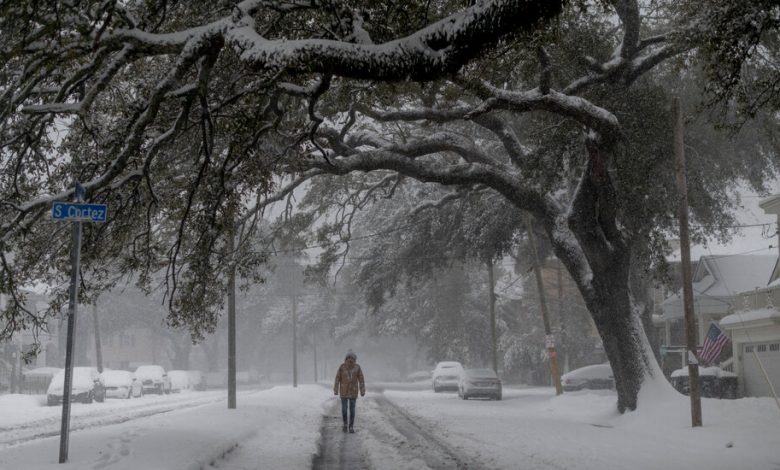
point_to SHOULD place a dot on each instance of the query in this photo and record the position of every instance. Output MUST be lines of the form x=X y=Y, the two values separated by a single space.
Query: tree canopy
x=180 y=116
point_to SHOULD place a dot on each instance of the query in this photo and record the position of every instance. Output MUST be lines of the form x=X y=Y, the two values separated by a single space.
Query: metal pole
x=75 y=257
x=98 y=347
x=685 y=254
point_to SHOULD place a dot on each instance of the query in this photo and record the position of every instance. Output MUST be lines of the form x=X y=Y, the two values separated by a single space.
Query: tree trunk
x=607 y=297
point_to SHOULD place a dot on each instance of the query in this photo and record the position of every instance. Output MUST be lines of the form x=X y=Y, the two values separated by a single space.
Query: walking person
x=349 y=381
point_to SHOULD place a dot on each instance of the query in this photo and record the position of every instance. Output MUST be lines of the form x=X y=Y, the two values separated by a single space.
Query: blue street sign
x=74 y=211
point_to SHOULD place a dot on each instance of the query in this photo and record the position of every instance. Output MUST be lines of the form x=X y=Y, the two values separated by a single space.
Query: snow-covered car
x=594 y=377
x=180 y=380
x=479 y=383
x=121 y=384
x=86 y=386
x=197 y=380
x=153 y=379
x=446 y=375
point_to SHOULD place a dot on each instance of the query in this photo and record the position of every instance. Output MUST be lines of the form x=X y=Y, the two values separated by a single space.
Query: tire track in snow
x=387 y=438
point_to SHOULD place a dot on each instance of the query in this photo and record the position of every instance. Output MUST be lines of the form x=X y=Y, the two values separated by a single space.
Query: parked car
x=714 y=382
x=594 y=377
x=197 y=380
x=180 y=380
x=86 y=386
x=153 y=379
x=446 y=375
x=479 y=383
x=121 y=384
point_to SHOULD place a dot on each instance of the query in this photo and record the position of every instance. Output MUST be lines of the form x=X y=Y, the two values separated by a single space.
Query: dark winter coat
x=349 y=380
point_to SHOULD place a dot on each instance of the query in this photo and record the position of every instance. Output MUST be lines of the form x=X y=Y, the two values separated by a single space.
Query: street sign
x=74 y=211
x=77 y=213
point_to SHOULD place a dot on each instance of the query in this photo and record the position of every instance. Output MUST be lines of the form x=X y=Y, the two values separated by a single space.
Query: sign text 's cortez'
x=77 y=211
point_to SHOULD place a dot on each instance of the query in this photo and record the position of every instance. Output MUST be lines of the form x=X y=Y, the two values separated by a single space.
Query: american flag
x=713 y=344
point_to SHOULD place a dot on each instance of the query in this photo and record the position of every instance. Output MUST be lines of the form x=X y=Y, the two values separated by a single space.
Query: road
x=386 y=437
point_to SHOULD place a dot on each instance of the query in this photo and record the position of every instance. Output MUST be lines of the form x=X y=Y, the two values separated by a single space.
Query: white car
x=197 y=380
x=180 y=380
x=446 y=375
x=121 y=384
x=153 y=379
x=595 y=377
x=86 y=385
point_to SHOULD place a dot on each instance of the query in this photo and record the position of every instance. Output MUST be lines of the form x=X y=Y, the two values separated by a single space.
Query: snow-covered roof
x=750 y=318
x=718 y=280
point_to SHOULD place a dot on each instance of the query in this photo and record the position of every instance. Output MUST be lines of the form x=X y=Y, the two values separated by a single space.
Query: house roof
x=750 y=318
x=718 y=279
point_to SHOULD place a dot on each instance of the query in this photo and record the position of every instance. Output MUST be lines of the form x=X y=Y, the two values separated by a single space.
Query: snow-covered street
x=300 y=428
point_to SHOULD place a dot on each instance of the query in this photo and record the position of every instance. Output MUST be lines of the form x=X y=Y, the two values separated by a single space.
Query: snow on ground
x=531 y=429
x=276 y=428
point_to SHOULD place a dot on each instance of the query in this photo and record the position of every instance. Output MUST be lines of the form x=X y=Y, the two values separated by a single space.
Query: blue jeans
x=351 y=410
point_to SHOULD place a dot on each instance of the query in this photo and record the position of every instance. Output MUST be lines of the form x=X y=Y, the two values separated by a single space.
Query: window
x=774 y=347
x=761 y=348
x=748 y=348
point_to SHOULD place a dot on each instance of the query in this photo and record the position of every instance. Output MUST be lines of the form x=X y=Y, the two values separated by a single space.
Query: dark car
x=479 y=383
x=714 y=382
x=595 y=377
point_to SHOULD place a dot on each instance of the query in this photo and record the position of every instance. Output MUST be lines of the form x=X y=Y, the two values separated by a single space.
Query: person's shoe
x=352 y=430
x=344 y=428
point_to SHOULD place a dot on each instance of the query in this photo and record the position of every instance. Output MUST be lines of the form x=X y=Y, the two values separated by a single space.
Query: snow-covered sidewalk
x=275 y=428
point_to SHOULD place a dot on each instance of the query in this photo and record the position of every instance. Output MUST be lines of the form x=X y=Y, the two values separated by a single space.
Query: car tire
x=88 y=399
x=159 y=390
x=130 y=394
x=498 y=397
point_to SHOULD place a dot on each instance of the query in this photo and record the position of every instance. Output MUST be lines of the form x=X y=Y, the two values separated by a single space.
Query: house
x=719 y=282
x=754 y=328
x=740 y=294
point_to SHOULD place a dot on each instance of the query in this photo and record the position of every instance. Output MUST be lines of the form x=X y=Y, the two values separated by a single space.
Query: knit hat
x=351 y=354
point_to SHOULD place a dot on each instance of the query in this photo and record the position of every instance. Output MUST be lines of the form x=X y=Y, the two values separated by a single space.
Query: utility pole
x=231 y=247
x=685 y=254
x=493 y=339
x=314 y=350
x=294 y=300
x=549 y=338
x=231 y=322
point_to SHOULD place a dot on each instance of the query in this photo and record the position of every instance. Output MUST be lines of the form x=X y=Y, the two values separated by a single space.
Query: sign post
x=76 y=213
